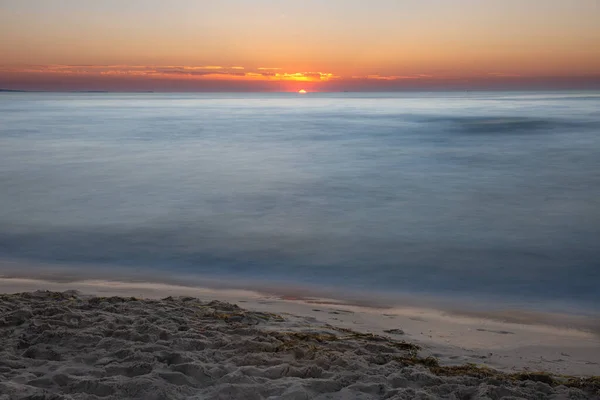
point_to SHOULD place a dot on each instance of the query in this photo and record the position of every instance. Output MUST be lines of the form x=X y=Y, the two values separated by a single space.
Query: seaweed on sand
x=316 y=341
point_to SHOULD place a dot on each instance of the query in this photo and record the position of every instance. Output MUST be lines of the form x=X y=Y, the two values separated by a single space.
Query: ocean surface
x=474 y=195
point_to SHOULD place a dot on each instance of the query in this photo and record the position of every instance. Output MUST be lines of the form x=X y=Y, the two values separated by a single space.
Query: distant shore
x=275 y=347
x=69 y=91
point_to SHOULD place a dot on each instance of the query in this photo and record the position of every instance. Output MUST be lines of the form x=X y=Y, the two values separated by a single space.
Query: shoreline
x=509 y=341
x=69 y=345
x=491 y=306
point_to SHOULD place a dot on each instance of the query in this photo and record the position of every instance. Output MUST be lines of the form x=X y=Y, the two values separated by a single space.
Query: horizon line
x=394 y=90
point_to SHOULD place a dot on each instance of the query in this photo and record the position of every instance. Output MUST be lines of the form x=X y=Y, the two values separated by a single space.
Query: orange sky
x=285 y=45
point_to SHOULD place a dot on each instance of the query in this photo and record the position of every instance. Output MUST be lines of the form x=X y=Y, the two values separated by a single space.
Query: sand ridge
x=65 y=345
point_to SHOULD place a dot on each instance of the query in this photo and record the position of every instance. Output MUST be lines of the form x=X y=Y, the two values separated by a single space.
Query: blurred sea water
x=478 y=195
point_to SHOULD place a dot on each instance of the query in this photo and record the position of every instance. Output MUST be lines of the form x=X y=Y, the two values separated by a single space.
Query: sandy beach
x=118 y=340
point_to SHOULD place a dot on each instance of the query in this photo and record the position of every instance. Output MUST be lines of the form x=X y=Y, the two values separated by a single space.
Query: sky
x=280 y=45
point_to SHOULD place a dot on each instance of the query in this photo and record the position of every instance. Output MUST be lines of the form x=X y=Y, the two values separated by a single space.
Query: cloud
x=378 y=77
x=503 y=74
x=204 y=67
x=231 y=78
x=173 y=71
x=306 y=76
x=192 y=73
x=197 y=72
x=217 y=72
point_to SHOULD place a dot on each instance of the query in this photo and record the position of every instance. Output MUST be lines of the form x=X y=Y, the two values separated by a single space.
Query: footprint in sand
x=395 y=331
x=341 y=312
x=498 y=332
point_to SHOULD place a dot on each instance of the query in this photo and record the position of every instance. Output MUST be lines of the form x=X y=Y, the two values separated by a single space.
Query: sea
x=484 y=197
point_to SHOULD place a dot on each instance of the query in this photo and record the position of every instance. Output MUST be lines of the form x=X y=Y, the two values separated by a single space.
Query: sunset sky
x=318 y=45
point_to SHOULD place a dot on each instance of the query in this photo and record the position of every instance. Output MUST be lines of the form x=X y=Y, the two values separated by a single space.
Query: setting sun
x=302 y=91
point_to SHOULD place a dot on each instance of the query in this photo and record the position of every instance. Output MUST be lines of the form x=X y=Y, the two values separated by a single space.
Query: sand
x=67 y=345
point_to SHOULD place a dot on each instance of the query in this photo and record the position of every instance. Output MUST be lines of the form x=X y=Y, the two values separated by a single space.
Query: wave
x=335 y=125
x=504 y=125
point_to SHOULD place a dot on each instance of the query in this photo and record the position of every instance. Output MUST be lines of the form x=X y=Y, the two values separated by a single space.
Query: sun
x=302 y=91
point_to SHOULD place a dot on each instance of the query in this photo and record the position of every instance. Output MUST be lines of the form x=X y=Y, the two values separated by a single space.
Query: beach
x=112 y=340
